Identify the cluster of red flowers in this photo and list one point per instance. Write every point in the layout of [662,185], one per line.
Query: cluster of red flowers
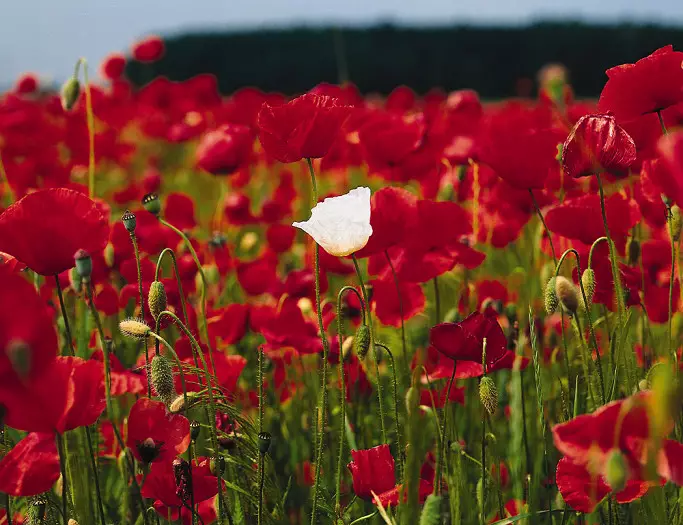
[458,184]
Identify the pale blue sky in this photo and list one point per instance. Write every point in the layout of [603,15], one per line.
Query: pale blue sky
[47,36]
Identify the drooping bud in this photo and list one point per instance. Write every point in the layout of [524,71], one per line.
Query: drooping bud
[616,471]
[134,328]
[70,93]
[488,394]
[676,223]
[567,295]
[19,355]
[550,297]
[156,298]
[129,220]
[633,251]
[347,347]
[195,428]
[162,379]
[109,254]
[431,512]
[588,283]
[152,204]
[264,439]
[361,341]
[83,264]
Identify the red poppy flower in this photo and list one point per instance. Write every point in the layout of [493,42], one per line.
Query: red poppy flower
[123,381]
[26,84]
[44,229]
[149,49]
[280,237]
[389,306]
[393,214]
[582,491]
[387,139]
[652,84]
[670,179]
[258,276]
[28,341]
[647,191]
[229,323]
[289,328]
[303,128]
[597,144]
[112,66]
[225,150]
[372,471]
[457,395]
[154,435]
[31,467]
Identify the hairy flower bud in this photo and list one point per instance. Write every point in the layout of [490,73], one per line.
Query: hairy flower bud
[616,471]
[152,203]
[264,439]
[83,264]
[347,347]
[178,404]
[676,223]
[134,328]
[488,394]
[361,341]
[129,220]
[550,297]
[70,93]
[588,283]
[156,298]
[567,294]
[162,379]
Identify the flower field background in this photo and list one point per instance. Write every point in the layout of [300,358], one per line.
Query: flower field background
[337,308]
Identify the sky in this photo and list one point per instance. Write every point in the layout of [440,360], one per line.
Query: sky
[48,36]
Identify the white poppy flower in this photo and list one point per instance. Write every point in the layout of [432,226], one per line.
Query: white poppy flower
[341,225]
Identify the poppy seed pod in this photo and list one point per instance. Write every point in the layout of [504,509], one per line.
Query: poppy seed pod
[19,355]
[152,204]
[134,328]
[431,512]
[588,283]
[70,93]
[129,220]
[162,379]
[264,439]
[361,341]
[616,471]
[195,428]
[217,465]
[566,293]
[37,509]
[633,252]
[488,394]
[83,264]
[676,223]
[550,298]
[156,299]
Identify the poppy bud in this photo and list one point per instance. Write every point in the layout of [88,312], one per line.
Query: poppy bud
[19,354]
[109,254]
[616,471]
[588,282]
[129,220]
[452,316]
[412,399]
[195,427]
[162,379]
[347,347]
[633,251]
[70,92]
[264,439]
[431,512]
[134,328]
[83,264]
[550,297]
[361,341]
[152,204]
[566,293]
[488,394]
[676,223]
[156,298]
[178,404]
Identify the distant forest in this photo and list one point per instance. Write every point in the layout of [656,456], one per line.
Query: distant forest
[496,61]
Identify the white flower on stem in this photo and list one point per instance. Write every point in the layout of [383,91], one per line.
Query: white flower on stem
[341,225]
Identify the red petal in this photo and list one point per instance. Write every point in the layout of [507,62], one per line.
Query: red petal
[31,467]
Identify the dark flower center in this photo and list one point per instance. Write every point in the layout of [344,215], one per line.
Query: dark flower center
[149,450]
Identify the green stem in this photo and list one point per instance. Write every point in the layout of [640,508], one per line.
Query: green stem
[661,122]
[342,390]
[593,246]
[484,480]
[65,317]
[261,463]
[90,119]
[545,226]
[95,474]
[672,352]
[396,420]
[65,484]
[404,346]
[12,198]
[105,348]
[322,402]
[205,323]
[262,479]
[437,477]
[136,249]
[437,300]
[179,281]
[374,349]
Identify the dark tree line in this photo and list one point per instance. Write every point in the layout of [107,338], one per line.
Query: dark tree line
[495,61]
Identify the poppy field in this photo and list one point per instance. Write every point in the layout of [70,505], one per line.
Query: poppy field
[254,308]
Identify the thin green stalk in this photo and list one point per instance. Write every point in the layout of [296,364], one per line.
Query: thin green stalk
[261,463]
[374,350]
[90,119]
[103,343]
[672,273]
[396,420]
[193,253]
[8,499]
[322,402]
[437,300]
[342,390]
[483,470]
[262,479]
[442,454]
[404,346]
[661,122]
[179,281]
[10,191]
[65,483]
[545,226]
[95,475]
[65,317]
[136,249]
